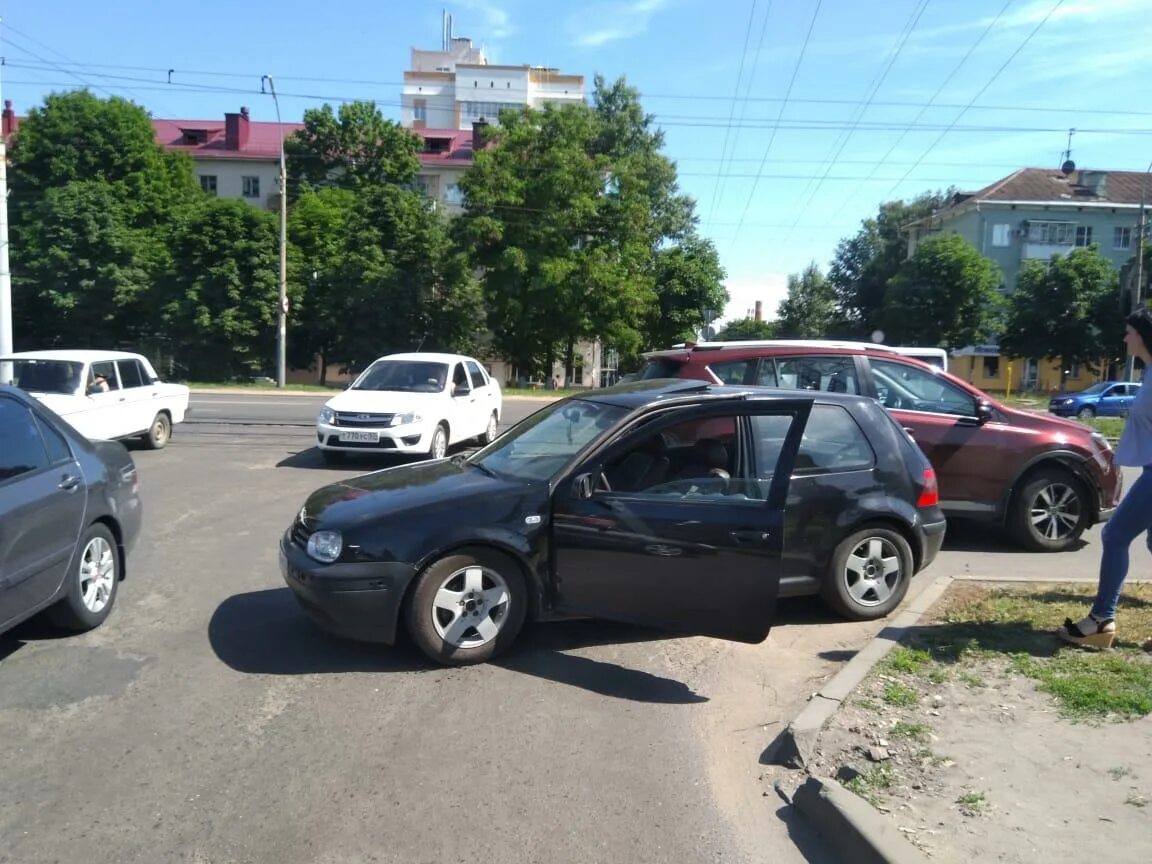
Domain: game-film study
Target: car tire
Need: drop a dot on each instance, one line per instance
(438, 445)
(1086, 413)
(491, 431)
(467, 607)
(333, 457)
(91, 583)
(159, 433)
(1049, 512)
(868, 574)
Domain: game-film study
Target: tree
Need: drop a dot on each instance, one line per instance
(865, 263)
(689, 280)
(351, 147)
(946, 294)
(223, 289)
(809, 310)
(1067, 308)
(94, 202)
(747, 328)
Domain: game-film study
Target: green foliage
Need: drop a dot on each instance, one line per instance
(809, 310)
(747, 329)
(689, 280)
(945, 294)
(351, 147)
(222, 292)
(864, 263)
(1068, 308)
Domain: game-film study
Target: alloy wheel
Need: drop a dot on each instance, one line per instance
(97, 574)
(470, 607)
(872, 572)
(1056, 511)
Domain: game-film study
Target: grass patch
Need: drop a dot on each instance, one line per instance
(1019, 623)
(972, 803)
(938, 675)
(898, 694)
(911, 661)
(915, 731)
(870, 781)
(867, 704)
(251, 385)
(972, 681)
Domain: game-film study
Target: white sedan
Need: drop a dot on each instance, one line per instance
(102, 394)
(411, 403)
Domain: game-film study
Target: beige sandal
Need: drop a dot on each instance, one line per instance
(1089, 633)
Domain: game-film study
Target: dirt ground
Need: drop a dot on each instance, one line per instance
(974, 762)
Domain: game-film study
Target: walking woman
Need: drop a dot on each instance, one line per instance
(1134, 515)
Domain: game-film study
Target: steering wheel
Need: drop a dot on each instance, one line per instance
(603, 484)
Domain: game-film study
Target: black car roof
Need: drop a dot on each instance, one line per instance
(637, 394)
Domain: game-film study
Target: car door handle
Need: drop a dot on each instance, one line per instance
(750, 535)
(910, 430)
(69, 482)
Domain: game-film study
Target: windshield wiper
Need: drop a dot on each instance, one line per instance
(485, 469)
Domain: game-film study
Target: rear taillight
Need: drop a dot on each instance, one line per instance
(929, 491)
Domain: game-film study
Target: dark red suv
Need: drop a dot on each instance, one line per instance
(1045, 479)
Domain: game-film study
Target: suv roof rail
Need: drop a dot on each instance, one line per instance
(808, 343)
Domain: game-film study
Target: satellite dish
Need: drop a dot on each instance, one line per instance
(878, 336)
(1068, 167)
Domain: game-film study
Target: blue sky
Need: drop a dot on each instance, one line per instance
(790, 120)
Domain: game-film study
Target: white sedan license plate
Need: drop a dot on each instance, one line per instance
(361, 437)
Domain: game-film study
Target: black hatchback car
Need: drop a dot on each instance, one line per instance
(69, 513)
(674, 504)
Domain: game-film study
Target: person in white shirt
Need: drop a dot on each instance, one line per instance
(1134, 515)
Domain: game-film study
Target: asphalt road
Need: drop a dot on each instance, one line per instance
(208, 721)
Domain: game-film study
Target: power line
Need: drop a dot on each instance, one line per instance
(874, 88)
(780, 113)
(982, 91)
(948, 80)
(732, 108)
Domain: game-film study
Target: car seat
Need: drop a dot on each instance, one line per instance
(709, 459)
(645, 467)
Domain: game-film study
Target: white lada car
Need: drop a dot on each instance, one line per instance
(411, 403)
(102, 394)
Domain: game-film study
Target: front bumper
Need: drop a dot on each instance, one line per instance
(353, 600)
(392, 439)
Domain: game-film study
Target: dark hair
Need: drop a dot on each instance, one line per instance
(1141, 321)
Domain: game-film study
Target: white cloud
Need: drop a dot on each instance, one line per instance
(495, 21)
(601, 23)
(743, 292)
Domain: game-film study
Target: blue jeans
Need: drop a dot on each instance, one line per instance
(1132, 516)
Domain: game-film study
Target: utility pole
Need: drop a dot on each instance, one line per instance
(282, 306)
(1130, 364)
(5, 274)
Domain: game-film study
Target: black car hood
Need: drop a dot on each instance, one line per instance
(425, 485)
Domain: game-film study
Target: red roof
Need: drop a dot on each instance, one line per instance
(263, 138)
(458, 150)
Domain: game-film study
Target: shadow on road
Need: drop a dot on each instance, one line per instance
(808, 841)
(967, 536)
(36, 629)
(360, 463)
(266, 633)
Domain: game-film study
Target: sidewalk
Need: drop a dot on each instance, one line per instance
(967, 732)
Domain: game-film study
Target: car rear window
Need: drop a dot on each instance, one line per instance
(661, 367)
(834, 441)
(731, 371)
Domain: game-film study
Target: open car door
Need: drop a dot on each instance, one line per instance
(678, 521)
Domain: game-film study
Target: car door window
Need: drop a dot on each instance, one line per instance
(131, 374)
(833, 374)
(54, 443)
(731, 371)
(21, 447)
(107, 369)
(477, 374)
(903, 387)
(459, 377)
(833, 442)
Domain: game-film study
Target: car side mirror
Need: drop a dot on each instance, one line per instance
(462, 390)
(93, 389)
(583, 486)
(984, 411)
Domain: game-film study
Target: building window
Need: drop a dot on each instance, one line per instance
(991, 367)
(473, 111)
(1052, 233)
(578, 374)
(208, 183)
(453, 195)
(420, 110)
(1121, 238)
(1074, 372)
(1083, 235)
(251, 187)
(1001, 235)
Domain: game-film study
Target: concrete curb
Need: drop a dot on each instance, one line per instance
(859, 834)
(794, 746)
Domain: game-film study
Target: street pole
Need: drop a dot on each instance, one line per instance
(1130, 364)
(5, 274)
(282, 305)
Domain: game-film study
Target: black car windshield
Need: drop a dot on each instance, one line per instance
(42, 376)
(408, 376)
(538, 447)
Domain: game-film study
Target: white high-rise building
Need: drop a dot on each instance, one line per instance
(456, 86)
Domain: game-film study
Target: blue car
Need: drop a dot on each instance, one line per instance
(1106, 399)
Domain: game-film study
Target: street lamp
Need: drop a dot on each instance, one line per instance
(1130, 366)
(282, 307)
